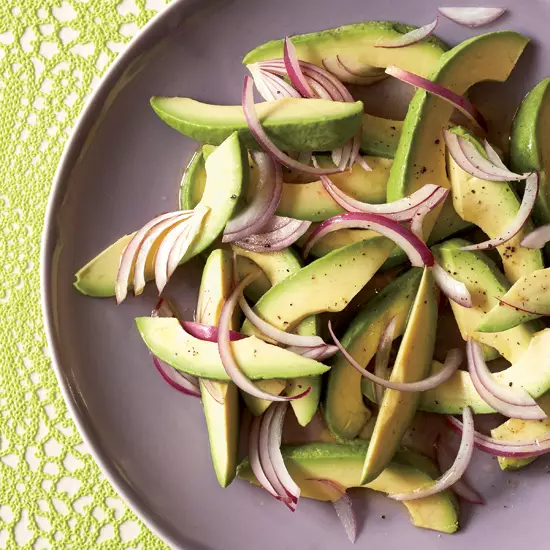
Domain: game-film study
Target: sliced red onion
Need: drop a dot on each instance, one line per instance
(382, 358)
(457, 101)
(320, 91)
(528, 202)
(254, 456)
(460, 487)
(417, 222)
(452, 362)
(226, 353)
(163, 308)
(178, 380)
(294, 71)
(342, 504)
(418, 253)
(214, 390)
(472, 17)
(280, 87)
(342, 156)
(128, 257)
(453, 289)
(264, 204)
(335, 66)
(280, 336)
(456, 471)
(492, 171)
(357, 68)
(493, 156)
(263, 139)
(509, 449)
(263, 86)
(508, 406)
(355, 146)
(209, 333)
(411, 37)
(537, 238)
(277, 239)
(319, 353)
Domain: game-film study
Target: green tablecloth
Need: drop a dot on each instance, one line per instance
(52, 54)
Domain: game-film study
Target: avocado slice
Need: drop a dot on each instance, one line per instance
(294, 124)
(420, 156)
(345, 412)
(413, 363)
(527, 430)
(530, 292)
(222, 419)
(485, 283)
(529, 147)
(380, 136)
(226, 180)
(342, 464)
(357, 43)
(193, 181)
(492, 206)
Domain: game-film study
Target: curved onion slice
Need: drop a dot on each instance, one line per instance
(472, 17)
(261, 209)
(452, 362)
(127, 260)
(226, 353)
(417, 221)
(527, 204)
(493, 156)
(319, 353)
(382, 358)
(411, 37)
(342, 504)
(453, 289)
(294, 71)
(280, 88)
(460, 487)
(261, 82)
(214, 390)
(277, 239)
(254, 456)
(457, 101)
(508, 407)
(456, 471)
(264, 140)
(510, 448)
(417, 251)
(280, 336)
(208, 333)
(335, 66)
(537, 238)
(163, 308)
(180, 381)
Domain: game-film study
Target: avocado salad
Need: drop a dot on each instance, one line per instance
(341, 250)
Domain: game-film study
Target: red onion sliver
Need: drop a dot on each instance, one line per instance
(280, 336)
(226, 353)
(254, 456)
(382, 358)
(180, 381)
(335, 66)
(417, 222)
(511, 448)
(418, 253)
(527, 204)
(493, 156)
(456, 471)
(163, 308)
(280, 87)
(319, 353)
(453, 289)
(472, 17)
(457, 101)
(411, 37)
(294, 71)
(265, 142)
(209, 333)
(460, 487)
(265, 88)
(452, 362)
(214, 390)
(355, 146)
(537, 238)
(511, 410)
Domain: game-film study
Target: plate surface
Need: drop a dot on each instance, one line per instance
(121, 167)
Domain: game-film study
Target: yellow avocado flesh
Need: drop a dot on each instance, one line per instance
(345, 412)
(358, 43)
(412, 364)
(343, 463)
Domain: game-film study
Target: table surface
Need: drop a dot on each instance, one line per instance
(52, 55)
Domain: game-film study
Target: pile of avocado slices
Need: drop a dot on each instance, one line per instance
(296, 296)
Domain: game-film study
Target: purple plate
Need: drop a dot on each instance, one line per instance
(121, 167)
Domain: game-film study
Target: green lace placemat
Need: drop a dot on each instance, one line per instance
(52, 54)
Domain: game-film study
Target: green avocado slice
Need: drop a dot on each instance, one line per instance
(357, 43)
(380, 136)
(492, 206)
(294, 124)
(531, 371)
(227, 165)
(528, 293)
(343, 463)
(529, 144)
(413, 363)
(345, 412)
(420, 156)
(167, 339)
